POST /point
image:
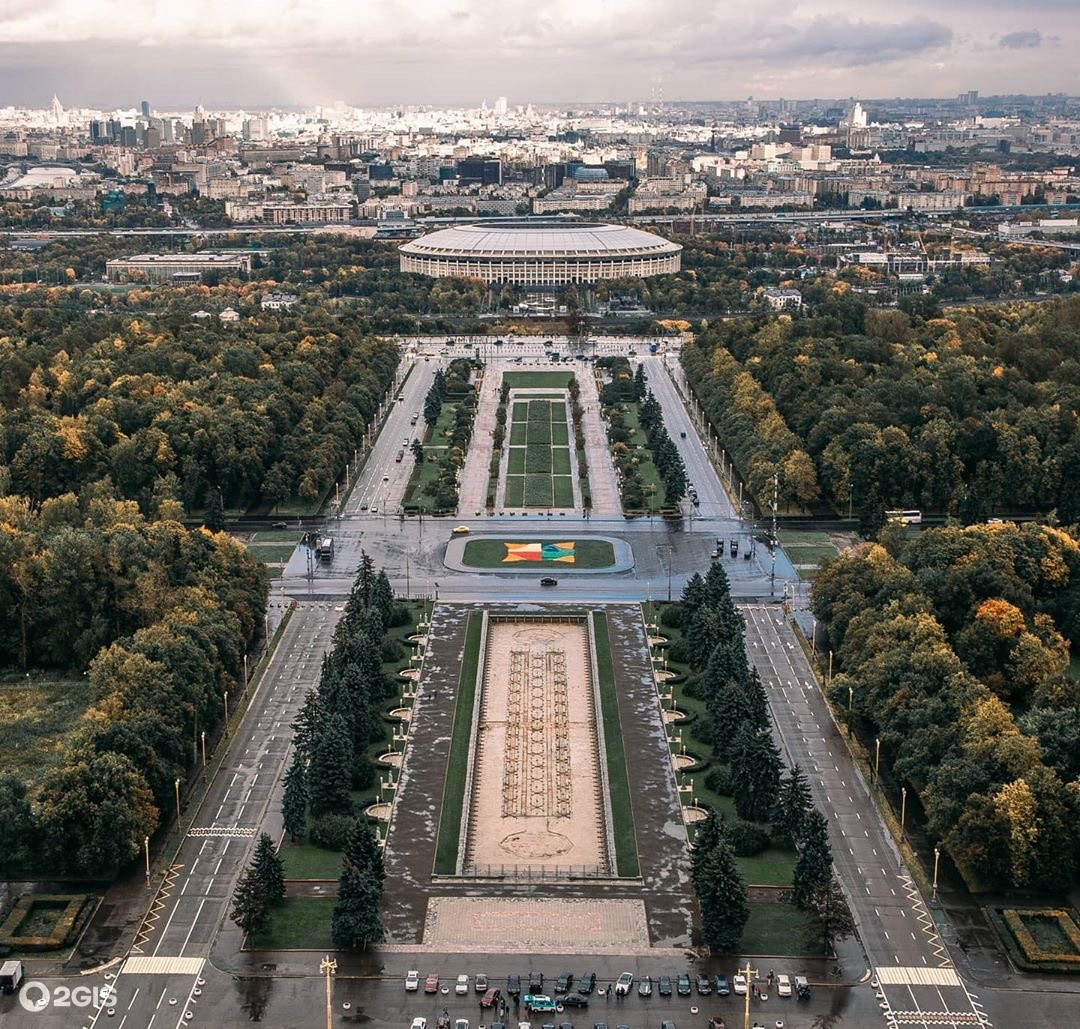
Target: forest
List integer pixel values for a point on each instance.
(969, 414)
(954, 647)
(148, 623)
(166, 409)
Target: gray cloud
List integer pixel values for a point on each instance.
(856, 43)
(1025, 40)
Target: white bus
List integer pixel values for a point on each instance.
(907, 517)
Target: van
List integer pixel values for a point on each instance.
(11, 976)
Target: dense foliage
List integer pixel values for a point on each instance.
(159, 618)
(956, 654)
(968, 414)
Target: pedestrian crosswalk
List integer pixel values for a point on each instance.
(153, 965)
(889, 975)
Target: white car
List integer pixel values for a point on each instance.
(738, 984)
(412, 980)
(419, 1023)
(461, 1023)
(623, 984)
(783, 986)
(461, 987)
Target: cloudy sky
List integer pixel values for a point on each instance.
(236, 53)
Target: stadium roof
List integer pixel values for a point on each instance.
(539, 240)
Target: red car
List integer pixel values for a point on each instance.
(490, 998)
(431, 983)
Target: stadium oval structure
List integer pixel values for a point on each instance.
(539, 254)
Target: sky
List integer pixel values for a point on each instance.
(261, 53)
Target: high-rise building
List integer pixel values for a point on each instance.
(500, 107)
(479, 171)
(145, 108)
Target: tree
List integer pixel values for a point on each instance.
(355, 921)
(755, 773)
(215, 514)
(294, 800)
(17, 831)
(329, 776)
(722, 895)
(706, 837)
(417, 449)
(813, 869)
(269, 870)
(830, 921)
(639, 382)
(251, 908)
(793, 803)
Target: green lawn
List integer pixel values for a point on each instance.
(306, 861)
(650, 478)
(538, 491)
(537, 380)
(560, 461)
(562, 491)
(773, 929)
(446, 848)
(489, 553)
(515, 491)
(519, 433)
(560, 434)
(39, 716)
(558, 411)
(622, 814)
(538, 460)
(544, 462)
(298, 923)
(270, 552)
(515, 462)
(809, 555)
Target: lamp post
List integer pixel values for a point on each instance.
(877, 756)
(203, 737)
(177, 786)
(328, 968)
(146, 851)
(903, 809)
(225, 701)
(937, 858)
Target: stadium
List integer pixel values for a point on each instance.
(540, 253)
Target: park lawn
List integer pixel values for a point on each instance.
(39, 716)
(446, 847)
(271, 552)
(306, 861)
(622, 812)
(558, 410)
(489, 553)
(443, 425)
(537, 380)
(538, 491)
(651, 482)
(515, 491)
(562, 487)
(773, 930)
(560, 434)
(519, 434)
(276, 536)
(426, 472)
(515, 462)
(560, 461)
(809, 555)
(298, 923)
(538, 459)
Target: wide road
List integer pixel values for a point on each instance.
(158, 980)
(918, 981)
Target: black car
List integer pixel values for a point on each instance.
(549, 580)
(664, 986)
(682, 985)
(513, 985)
(574, 1000)
(704, 986)
(586, 983)
(564, 982)
(536, 982)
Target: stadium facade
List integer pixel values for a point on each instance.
(540, 254)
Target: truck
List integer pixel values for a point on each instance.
(324, 548)
(11, 976)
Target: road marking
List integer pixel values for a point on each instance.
(164, 965)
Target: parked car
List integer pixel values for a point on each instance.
(722, 988)
(644, 986)
(682, 985)
(480, 983)
(783, 986)
(461, 987)
(802, 988)
(704, 986)
(738, 984)
(536, 982)
(513, 984)
(667, 1024)
(490, 998)
(564, 982)
(412, 981)
(431, 983)
(623, 984)
(419, 1023)
(586, 983)
(716, 1022)
(280, 525)
(574, 1000)
(664, 986)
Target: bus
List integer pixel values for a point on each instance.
(907, 517)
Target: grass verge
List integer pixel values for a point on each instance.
(297, 923)
(622, 814)
(490, 553)
(773, 929)
(306, 861)
(537, 380)
(446, 848)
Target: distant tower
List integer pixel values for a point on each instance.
(500, 107)
(859, 119)
(57, 110)
(145, 106)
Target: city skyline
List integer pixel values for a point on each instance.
(109, 54)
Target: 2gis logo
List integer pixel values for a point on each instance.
(36, 996)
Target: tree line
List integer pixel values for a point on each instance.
(954, 648)
(968, 414)
(158, 618)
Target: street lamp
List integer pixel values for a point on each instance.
(903, 809)
(328, 968)
(146, 851)
(225, 700)
(877, 756)
(177, 785)
(203, 737)
(937, 858)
